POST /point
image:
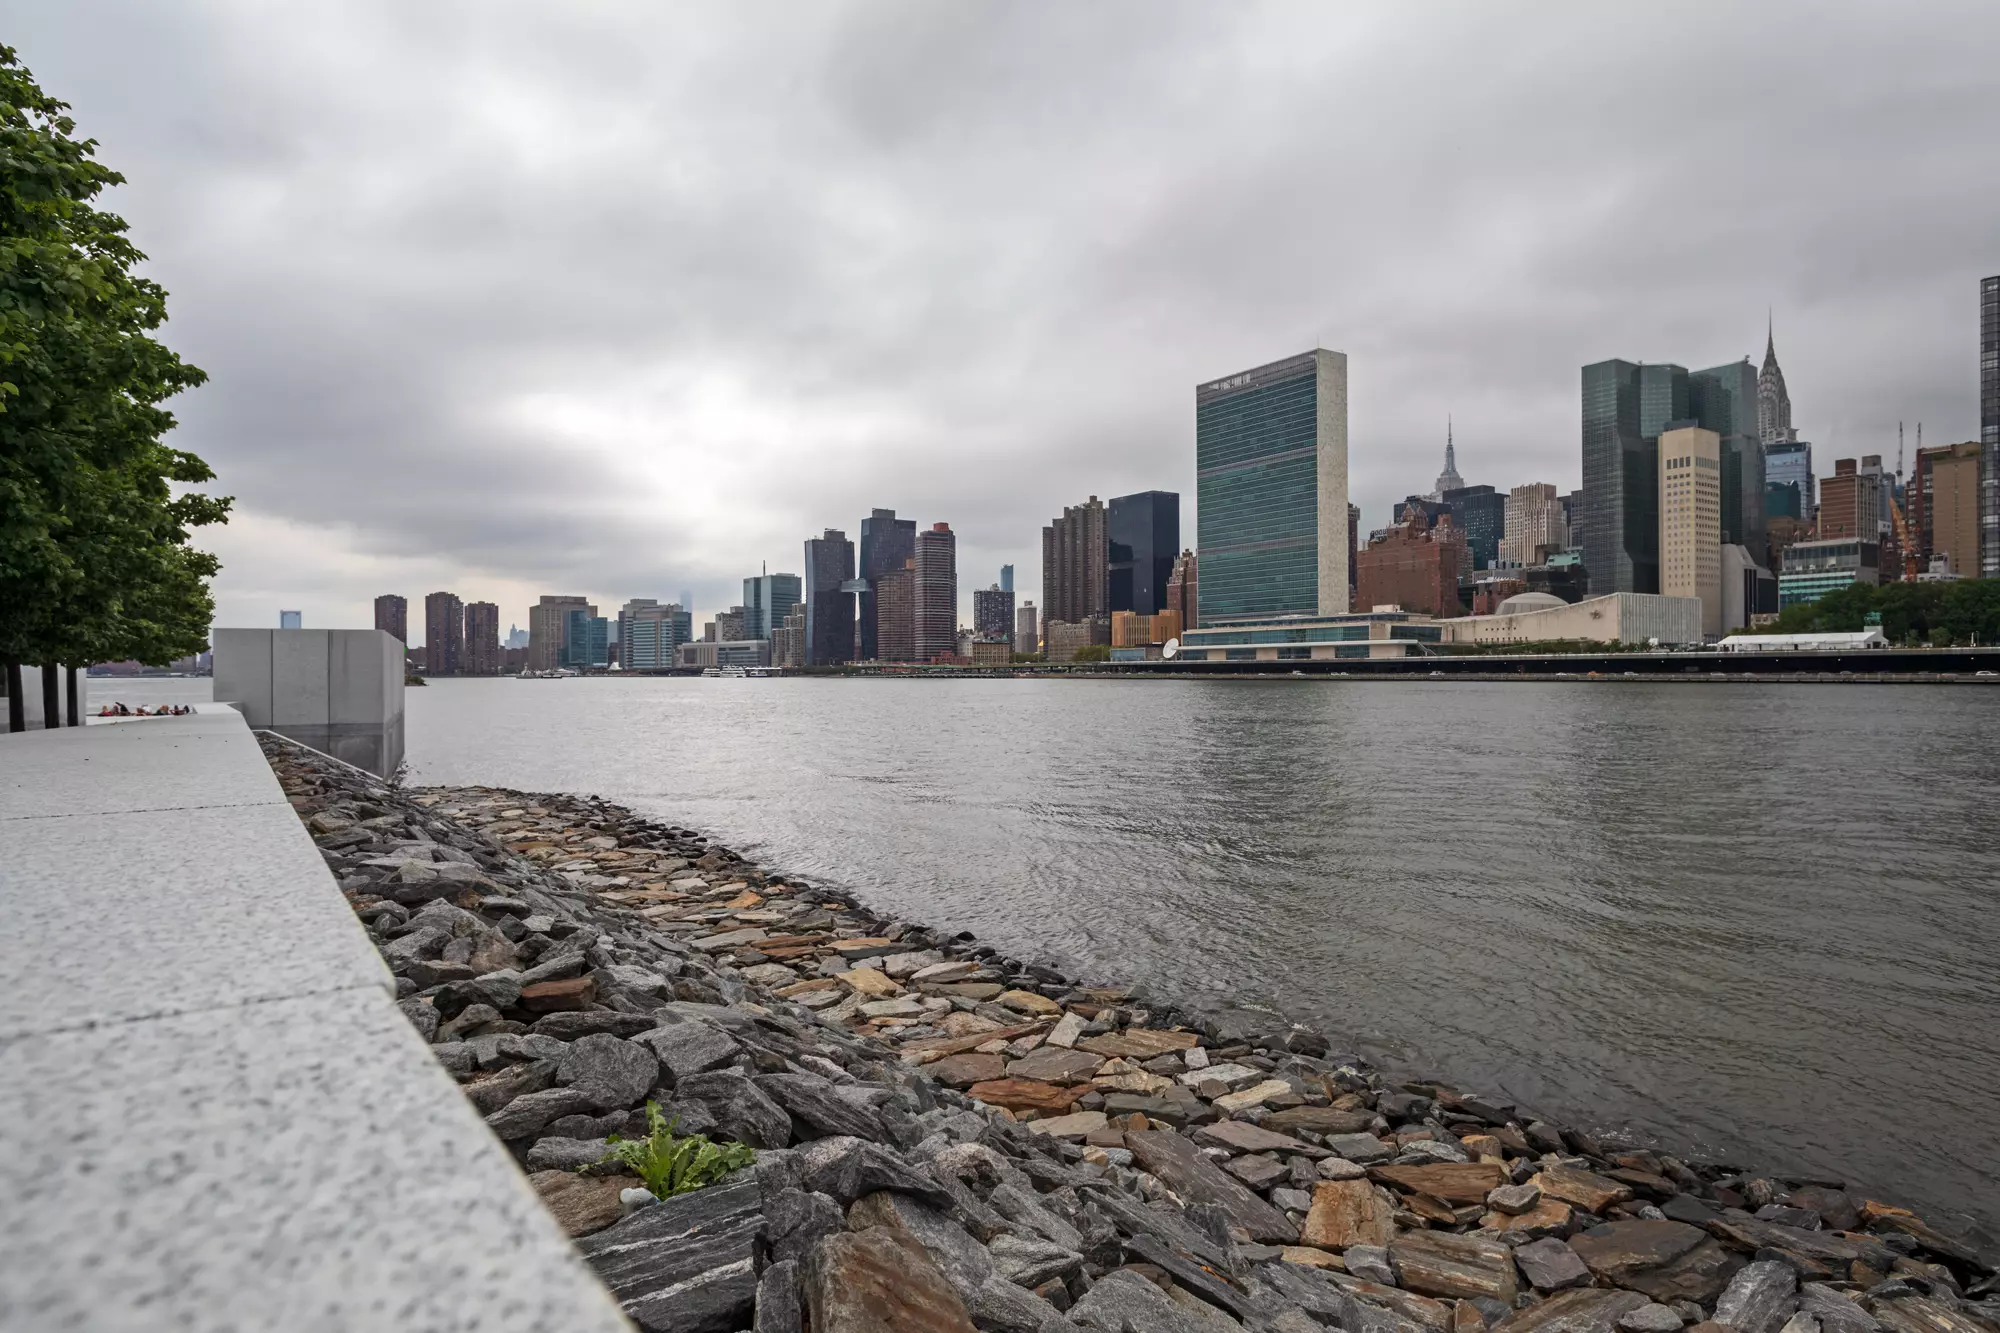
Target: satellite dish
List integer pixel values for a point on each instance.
(1172, 647)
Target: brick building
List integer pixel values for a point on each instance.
(1414, 567)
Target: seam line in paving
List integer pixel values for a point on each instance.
(140, 810)
(8, 1039)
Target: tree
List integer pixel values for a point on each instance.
(1092, 652)
(93, 556)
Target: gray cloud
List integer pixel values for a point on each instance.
(511, 299)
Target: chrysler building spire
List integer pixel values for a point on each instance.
(1774, 405)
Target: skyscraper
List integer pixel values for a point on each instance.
(1789, 463)
(1481, 514)
(1691, 520)
(767, 599)
(1448, 480)
(482, 639)
(291, 620)
(1944, 506)
(1989, 428)
(444, 635)
(887, 543)
(829, 624)
(1076, 564)
(626, 615)
(1535, 527)
(1729, 401)
(392, 616)
(934, 606)
(651, 637)
(1271, 490)
(548, 630)
(1774, 405)
(586, 639)
(1183, 584)
(895, 593)
(1144, 532)
(1027, 635)
(1625, 407)
(1006, 578)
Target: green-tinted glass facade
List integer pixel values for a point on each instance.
(1257, 493)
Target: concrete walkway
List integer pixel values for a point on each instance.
(212, 1115)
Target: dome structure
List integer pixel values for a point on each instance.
(1529, 601)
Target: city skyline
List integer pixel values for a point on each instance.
(396, 389)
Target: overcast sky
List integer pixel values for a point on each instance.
(508, 299)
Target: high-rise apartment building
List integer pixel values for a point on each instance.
(887, 544)
(1850, 501)
(1481, 514)
(1183, 582)
(788, 640)
(895, 592)
(1143, 531)
(1414, 566)
(482, 639)
(829, 625)
(548, 630)
(1691, 520)
(1534, 525)
(392, 616)
(934, 605)
(767, 599)
(650, 636)
(1076, 563)
(1271, 490)
(993, 612)
(1006, 578)
(1944, 494)
(1989, 428)
(444, 635)
(1027, 634)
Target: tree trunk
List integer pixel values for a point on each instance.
(17, 707)
(51, 696)
(75, 712)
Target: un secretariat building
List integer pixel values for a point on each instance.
(1271, 491)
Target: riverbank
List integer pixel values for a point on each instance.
(1062, 1154)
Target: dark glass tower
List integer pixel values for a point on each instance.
(1724, 399)
(887, 542)
(1145, 536)
(1625, 407)
(829, 608)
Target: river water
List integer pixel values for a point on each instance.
(1755, 922)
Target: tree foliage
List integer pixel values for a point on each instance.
(1934, 613)
(94, 561)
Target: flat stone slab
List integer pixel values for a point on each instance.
(1190, 1174)
(685, 1263)
(1138, 1044)
(1453, 1182)
(301, 1164)
(1668, 1261)
(1053, 1064)
(1243, 1136)
(74, 771)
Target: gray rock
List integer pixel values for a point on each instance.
(1801, 1323)
(565, 1154)
(1514, 1199)
(571, 1024)
(527, 1046)
(1363, 1148)
(561, 967)
(779, 1309)
(1550, 1265)
(1651, 1319)
(422, 1017)
(848, 1168)
(1025, 1209)
(1370, 1263)
(966, 1264)
(1760, 1298)
(1124, 1302)
(1836, 1314)
(635, 980)
(614, 1073)
(818, 1111)
(686, 1264)
(685, 1049)
(490, 1094)
(1030, 1261)
(797, 1219)
(1177, 1162)
(527, 1115)
(741, 1108)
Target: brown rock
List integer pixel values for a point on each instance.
(1669, 1261)
(1319, 1120)
(879, 1281)
(1549, 1217)
(1028, 1002)
(1453, 1182)
(1138, 1043)
(1438, 1263)
(1347, 1212)
(1187, 1172)
(1053, 1064)
(1246, 1137)
(962, 1071)
(1587, 1190)
(1435, 1316)
(971, 1041)
(1580, 1310)
(1307, 1257)
(870, 981)
(1025, 1094)
(548, 997)
(581, 1204)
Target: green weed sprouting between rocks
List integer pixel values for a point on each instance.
(671, 1164)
